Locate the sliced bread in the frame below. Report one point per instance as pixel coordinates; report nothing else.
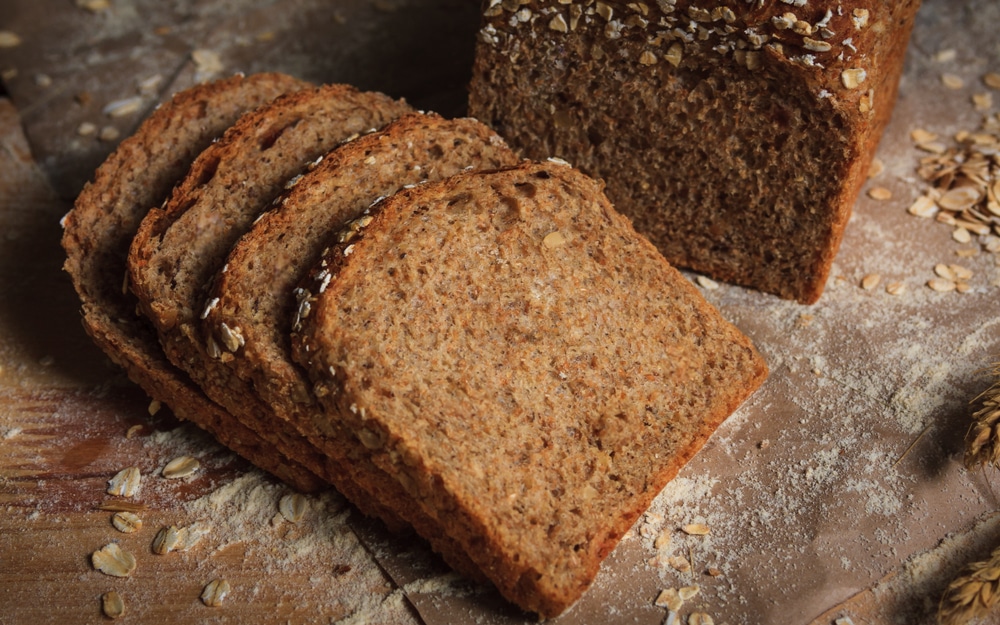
(250, 296)
(99, 229)
(524, 364)
(735, 135)
(180, 247)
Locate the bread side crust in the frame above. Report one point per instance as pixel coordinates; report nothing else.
(433, 456)
(105, 217)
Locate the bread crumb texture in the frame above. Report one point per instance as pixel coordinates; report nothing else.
(590, 370)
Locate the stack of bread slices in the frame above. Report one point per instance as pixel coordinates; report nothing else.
(349, 292)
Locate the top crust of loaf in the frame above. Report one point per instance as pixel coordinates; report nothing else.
(513, 319)
(98, 230)
(735, 134)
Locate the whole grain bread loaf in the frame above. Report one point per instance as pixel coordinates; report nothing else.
(735, 134)
(523, 363)
(250, 296)
(181, 246)
(99, 229)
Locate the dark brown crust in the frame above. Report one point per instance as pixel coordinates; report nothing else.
(551, 93)
(97, 232)
(454, 492)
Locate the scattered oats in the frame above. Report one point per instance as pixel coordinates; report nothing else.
(154, 407)
(963, 287)
(923, 207)
(647, 58)
(764, 444)
(880, 193)
(695, 529)
(919, 135)
(293, 507)
(960, 198)
(961, 235)
(9, 39)
(179, 467)
(992, 80)
(663, 540)
(982, 101)
(960, 272)
(166, 540)
(870, 281)
(112, 604)
(969, 252)
(149, 86)
(944, 271)
(125, 483)
(707, 283)
(123, 107)
(669, 599)
(215, 593)
(934, 147)
(876, 167)
(941, 285)
(126, 522)
(714, 572)
(109, 134)
(946, 56)
(688, 592)
(207, 64)
(992, 244)
(952, 81)
(553, 240)
(700, 618)
(113, 560)
(895, 288)
(86, 129)
(679, 563)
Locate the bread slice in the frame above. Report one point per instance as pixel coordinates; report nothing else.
(181, 246)
(530, 369)
(736, 135)
(98, 230)
(250, 296)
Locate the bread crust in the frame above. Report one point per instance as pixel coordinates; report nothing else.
(98, 230)
(736, 135)
(532, 329)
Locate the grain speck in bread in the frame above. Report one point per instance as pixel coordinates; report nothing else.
(735, 134)
(529, 368)
(97, 233)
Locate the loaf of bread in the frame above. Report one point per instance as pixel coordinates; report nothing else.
(736, 135)
(523, 363)
(98, 230)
